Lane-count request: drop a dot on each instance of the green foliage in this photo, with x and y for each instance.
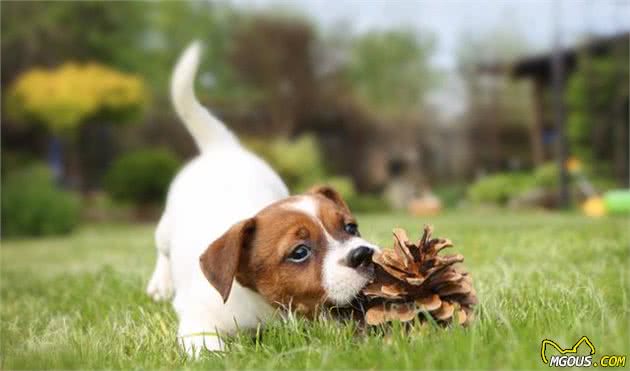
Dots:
(390, 70)
(545, 175)
(358, 202)
(140, 37)
(12, 161)
(33, 206)
(211, 22)
(498, 188)
(300, 165)
(595, 90)
(501, 187)
(343, 185)
(142, 177)
(368, 203)
(299, 161)
(451, 194)
(49, 33)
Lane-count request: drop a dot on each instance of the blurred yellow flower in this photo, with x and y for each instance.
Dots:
(68, 95)
(594, 206)
(573, 164)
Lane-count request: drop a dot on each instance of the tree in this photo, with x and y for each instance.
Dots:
(143, 38)
(597, 101)
(274, 56)
(172, 25)
(499, 108)
(389, 71)
(44, 33)
(68, 97)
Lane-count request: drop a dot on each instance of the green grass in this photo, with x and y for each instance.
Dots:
(79, 302)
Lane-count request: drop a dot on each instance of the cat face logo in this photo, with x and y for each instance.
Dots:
(570, 358)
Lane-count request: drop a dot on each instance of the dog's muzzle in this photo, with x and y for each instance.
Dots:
(360, 255)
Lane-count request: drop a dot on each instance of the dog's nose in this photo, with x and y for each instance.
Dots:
(359, 256)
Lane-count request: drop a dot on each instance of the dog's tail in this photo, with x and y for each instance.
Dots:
(204, 127)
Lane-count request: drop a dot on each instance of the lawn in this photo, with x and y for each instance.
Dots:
(78, 302)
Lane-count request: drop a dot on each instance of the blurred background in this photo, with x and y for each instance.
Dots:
(413, 107)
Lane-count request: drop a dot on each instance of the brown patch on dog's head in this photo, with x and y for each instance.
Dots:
(279, 278)
(267, 252)
(221, 261)
(331, 194)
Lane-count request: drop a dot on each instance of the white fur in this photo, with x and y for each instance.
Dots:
(341, 282)
(222, 186)
(206, 130)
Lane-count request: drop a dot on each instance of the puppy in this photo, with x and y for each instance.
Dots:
(232, 245)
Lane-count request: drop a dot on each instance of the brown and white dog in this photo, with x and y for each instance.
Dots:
(233, 246)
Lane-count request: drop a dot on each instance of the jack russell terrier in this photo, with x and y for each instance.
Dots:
(232, 246)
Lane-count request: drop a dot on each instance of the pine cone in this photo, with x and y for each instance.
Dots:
(413, 278)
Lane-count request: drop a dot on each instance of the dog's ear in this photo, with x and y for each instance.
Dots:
(220, 262)
(331, 194)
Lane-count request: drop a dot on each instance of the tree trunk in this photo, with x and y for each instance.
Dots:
(55, 158)
(535, 129)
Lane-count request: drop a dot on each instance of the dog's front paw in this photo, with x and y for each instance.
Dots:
(194, 345)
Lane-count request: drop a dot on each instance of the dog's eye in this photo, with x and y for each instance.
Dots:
(300, 254)
(352, 229)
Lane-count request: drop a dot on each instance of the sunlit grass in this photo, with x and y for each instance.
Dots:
(79, 302)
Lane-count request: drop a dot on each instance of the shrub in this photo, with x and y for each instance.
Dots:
(298, 162)
(341, 184)
(14, 161)
(300, 165)
(141, 177)
(451, 194)
(368, 203)
(358, 202)
(498, 188)
(546, 175)
(33, 206)
(592, 92)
